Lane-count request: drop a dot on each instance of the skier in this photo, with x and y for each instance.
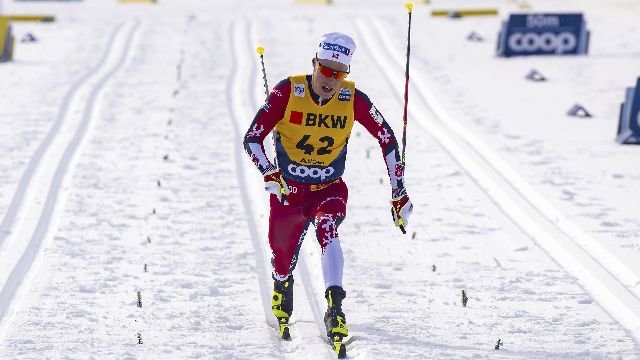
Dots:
(313, 116)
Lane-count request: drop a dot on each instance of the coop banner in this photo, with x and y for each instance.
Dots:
(543, 34)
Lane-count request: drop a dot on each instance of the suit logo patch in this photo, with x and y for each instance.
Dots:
(298, 90)
(384, 138)
(399, 170)
(375, 114)
(344, 95)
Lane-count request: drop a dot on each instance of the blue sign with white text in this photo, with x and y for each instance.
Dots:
(629, 123)
(543, 34)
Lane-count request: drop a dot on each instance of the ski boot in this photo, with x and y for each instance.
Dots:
(335, 321)
(282, 304)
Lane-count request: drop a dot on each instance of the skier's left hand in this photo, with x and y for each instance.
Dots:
(401, 208)
(274, 183)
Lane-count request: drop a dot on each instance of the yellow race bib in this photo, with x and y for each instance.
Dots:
(312, 139)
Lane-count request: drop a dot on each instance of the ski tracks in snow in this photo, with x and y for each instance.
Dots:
(608, 280)
(243, 99)
(40, 193)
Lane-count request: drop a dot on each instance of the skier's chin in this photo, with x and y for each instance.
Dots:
(326, 91)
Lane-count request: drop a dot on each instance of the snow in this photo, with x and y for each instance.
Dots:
(159, 181)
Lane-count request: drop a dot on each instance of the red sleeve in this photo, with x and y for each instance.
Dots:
(366, 114)
(372, 120)
(270, 113)
(265, 120)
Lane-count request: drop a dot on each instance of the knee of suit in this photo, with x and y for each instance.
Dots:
(281, 248)
(327, 228)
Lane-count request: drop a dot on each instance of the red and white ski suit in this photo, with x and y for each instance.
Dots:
(317, 193)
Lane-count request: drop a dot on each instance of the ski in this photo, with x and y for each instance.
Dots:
(339, 347)
(284, 332)
(339, 344)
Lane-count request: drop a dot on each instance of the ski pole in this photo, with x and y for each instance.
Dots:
(409, 7)
(260, 51)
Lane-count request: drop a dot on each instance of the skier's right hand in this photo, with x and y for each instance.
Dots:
(275, 184)
(401, 208)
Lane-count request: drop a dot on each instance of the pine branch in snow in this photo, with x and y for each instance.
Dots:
(139, 299)
(498, 344)
(139, 336)
(464, 298)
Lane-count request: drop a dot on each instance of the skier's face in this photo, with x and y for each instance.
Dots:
(323, 85)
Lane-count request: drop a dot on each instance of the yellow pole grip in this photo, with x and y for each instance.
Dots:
(260, 50)
(409, 7)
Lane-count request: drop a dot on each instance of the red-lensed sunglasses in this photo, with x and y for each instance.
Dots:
(329, 72)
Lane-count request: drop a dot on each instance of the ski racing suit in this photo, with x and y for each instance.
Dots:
(311, 136)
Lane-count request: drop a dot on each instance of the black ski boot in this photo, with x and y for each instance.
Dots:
(334, 319)
(282, 304)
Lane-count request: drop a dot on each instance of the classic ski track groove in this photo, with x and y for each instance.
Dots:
(303, 263)
(625, 275)
(23, 185)
(252, 193)
(18, 281)
(234, 94)
(608, 281)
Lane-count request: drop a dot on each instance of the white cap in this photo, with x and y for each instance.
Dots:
(336, 47)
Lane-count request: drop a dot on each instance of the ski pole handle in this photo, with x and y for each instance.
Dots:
(400, 221)
(282, 191)
(409, 7)
(282, 196)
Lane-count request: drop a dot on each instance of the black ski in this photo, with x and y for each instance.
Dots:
(339, 344)
(339, 347)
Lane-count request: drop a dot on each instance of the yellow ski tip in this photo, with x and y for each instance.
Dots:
(260, 50)
(409, 7)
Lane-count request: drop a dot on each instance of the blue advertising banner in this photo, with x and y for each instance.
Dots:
(629, 123)
(543, 34)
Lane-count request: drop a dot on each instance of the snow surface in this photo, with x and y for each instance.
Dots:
(530, 211)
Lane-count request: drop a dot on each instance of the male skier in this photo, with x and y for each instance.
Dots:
(313, 116)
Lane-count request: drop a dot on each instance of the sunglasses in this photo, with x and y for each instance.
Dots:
(329, 72)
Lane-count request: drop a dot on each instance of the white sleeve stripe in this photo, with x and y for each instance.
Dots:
(256, 150)
(391, 161)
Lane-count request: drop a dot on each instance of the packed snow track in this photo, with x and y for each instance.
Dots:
(33, 208)
(134, 226)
